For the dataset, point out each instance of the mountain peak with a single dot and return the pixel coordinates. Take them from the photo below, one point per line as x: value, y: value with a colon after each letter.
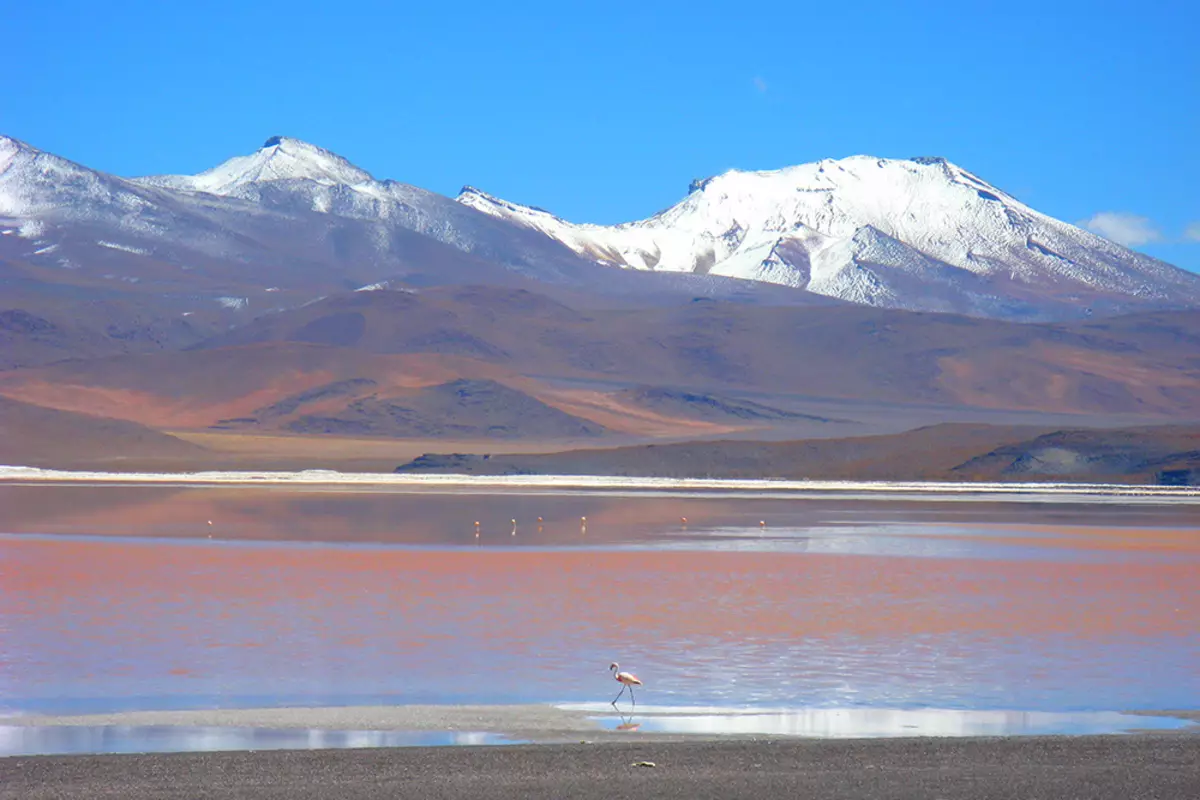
x: 281, y: 158
x: 293, y: 145
x: 918, y: 233
x: 869, y: 229
x: 471, y: 190
x: 482, y: 201
x: 9, y: 148
x: 32, y: 180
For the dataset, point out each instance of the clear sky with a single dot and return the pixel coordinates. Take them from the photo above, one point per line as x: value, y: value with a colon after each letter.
x: 603, y: 112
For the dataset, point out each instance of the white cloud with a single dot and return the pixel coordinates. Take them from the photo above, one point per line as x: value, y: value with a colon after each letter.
x: 1192, y: 232
x: 760, y: 84
x: 1122, y: 227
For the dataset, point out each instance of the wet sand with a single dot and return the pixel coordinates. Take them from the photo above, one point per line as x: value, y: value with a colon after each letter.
x: 544, y: 723
x: 1097, y: 768
x: 531, y: 722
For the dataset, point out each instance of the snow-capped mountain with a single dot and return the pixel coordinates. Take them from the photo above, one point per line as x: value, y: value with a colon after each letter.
x: 292, y: 176
x: 287, y: 174
x: 279, y: 159
x: 921, y: 234
x: 288, y: 215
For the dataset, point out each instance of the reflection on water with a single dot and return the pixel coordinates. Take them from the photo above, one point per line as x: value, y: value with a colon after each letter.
x: 308, y: 598
x: 848, y: 723
x: 80, y: 739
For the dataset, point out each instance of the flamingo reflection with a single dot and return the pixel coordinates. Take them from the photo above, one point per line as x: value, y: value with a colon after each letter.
x: 627, y: 723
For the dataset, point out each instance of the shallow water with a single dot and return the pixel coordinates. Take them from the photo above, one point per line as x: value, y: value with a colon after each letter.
x: 84, y: 739
x: 115, y: 598
x: 851, y: 723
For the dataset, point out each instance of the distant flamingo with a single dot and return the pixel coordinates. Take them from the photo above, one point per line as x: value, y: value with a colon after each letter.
x: 627, y: 681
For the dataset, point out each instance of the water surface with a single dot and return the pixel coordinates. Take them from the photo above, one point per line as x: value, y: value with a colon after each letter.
x: 852, y: 723
x: 87, y: 739
x: 116, y: 598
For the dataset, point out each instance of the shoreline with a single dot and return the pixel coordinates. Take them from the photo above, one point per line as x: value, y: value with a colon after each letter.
x: 568, y: 722
x: 765, y: 488
x: 501, y: 719
x: 1019, y: 768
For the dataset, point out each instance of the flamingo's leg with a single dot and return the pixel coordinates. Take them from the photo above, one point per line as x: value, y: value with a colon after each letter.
x: 618, y: 697
x: 632, y: 699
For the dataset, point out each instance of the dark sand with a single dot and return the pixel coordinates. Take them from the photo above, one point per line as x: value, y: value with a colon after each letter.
x: 1055, y: 768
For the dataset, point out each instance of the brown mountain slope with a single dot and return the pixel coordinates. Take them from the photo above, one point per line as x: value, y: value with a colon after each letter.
x: 1160, y: 454
x: 1135, y: 365
x: 386, y: 364
x: 924, y: 452
x: 1168, y: 454
x: 462, y: 408
x: 316, y: 389
x: 32, y: 435
x: 49, y: 314
x: 201, y: 388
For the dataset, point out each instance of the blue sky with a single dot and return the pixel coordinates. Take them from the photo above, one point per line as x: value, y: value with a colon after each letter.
x: 603, y: 112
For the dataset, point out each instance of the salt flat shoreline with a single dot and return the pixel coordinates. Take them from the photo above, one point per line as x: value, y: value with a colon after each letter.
x: 522, y: 721
x: 535, y: 723
x: 605, y: 484
x: 1020, y: 768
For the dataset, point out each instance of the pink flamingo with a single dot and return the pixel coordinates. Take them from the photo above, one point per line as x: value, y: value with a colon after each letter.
x: 627, y: 681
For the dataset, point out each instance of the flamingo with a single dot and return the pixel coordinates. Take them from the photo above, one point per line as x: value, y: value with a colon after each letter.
x: 627, y: 681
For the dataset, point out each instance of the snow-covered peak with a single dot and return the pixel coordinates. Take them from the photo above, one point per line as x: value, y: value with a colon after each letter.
x: 8, y: 151
x: 909, y: 233
x: 921, y: 234
x: 871, y: 185
x: 477, y: 198
x: 34, y: 182
x: 10, y: 202
x: 281, y: 158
